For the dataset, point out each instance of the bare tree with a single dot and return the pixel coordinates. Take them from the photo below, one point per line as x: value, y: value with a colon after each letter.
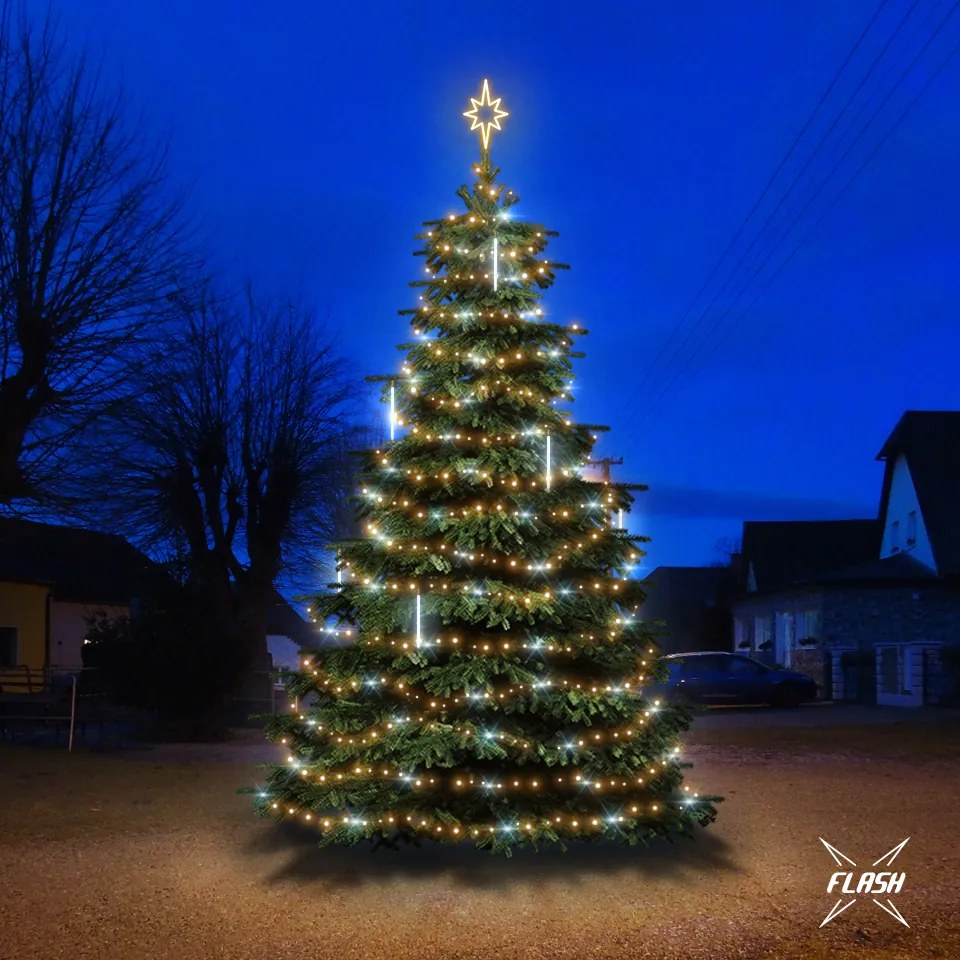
x: 234, y: 455
x: 91, y: 254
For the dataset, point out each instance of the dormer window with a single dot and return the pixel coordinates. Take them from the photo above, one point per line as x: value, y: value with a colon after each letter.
x: 911, y: 528
x: 895, y: 536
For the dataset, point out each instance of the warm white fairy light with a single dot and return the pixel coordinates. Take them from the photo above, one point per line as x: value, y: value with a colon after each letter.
x: 426, y: 507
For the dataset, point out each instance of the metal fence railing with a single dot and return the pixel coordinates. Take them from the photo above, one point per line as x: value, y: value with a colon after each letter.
x: 54, y: 706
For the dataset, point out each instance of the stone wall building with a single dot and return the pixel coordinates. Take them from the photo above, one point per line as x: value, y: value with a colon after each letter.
x: 867, y: 607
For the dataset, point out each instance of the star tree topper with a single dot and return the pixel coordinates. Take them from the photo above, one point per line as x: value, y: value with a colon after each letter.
x: 486, y: 121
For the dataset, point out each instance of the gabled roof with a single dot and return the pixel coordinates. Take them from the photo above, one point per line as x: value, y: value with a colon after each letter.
x: 930, y: 442
x: 84, y: 566
x: 284, y: 621
x: 897, y: 568
x: 785, y: 552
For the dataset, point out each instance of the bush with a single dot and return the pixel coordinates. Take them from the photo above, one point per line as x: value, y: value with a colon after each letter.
x: 169, y: 659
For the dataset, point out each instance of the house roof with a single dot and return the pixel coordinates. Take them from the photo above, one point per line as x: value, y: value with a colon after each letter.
x: 684, y: 585
x: 681, y: 596
x: 284, y: 621
x: 84, y: 566
x: 897, y: 568
x: 930, y: 442
x: 784, y: 552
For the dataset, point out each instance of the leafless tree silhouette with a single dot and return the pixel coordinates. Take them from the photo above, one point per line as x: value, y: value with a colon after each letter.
x: 92, y: 254
x: 233, y: 455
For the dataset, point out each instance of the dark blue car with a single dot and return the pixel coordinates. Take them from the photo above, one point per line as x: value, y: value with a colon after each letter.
x: 715, y: 678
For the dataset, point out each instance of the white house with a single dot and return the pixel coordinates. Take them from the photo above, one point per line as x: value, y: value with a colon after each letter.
x: 867, y: 606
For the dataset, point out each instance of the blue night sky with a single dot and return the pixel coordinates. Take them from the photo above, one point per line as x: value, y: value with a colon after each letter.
x: 315, y: 137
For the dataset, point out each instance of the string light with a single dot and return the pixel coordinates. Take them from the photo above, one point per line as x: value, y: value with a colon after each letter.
x: 520, y: 829
x: 529, y: 576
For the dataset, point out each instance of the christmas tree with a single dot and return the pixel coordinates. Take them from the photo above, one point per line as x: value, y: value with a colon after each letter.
x: 492, y: 688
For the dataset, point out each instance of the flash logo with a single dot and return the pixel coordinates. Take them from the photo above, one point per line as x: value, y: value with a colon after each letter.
x: 882, y: 882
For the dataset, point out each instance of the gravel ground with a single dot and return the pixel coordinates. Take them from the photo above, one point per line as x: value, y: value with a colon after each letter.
x: 151, y: 854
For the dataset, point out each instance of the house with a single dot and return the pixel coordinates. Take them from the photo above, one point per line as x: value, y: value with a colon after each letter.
x: 287, y: 634
x: 866, y: 607
x: 53, y: 579
x: 693, y: 603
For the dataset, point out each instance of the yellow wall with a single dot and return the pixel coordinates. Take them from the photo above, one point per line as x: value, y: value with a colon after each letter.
x: 24, y: 606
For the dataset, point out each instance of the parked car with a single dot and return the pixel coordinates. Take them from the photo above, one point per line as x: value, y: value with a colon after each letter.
x: 713, y: 677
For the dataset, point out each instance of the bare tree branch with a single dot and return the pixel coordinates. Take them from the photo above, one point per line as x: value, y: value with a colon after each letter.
x: 234, y: 452
x: 92, y: 255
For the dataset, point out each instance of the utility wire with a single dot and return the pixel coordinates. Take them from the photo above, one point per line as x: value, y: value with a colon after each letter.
x: 678, y: 352
x: 876, y: 149
x: 652, y: 367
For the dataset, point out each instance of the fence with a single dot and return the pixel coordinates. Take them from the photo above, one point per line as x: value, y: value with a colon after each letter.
x: 941, y: 677
x: 54, y: 706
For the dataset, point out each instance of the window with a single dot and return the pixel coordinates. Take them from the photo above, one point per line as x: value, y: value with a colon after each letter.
x: 745, y: 667
x: 9, y: 654
x: 808, y: 627
x: 895, y: 536
x: 708, y: 663
x: 911, y: 528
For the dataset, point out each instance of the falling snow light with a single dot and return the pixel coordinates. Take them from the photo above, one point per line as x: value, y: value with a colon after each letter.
x: 393, y: 410
x: 496, y: 258
x: 549, y: 474
x: 620, y: 519
x: 419, y: 635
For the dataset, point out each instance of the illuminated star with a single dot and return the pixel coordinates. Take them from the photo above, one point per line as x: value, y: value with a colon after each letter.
x: 495, y: 115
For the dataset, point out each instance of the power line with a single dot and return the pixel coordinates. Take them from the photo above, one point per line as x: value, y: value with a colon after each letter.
x: 876, y: 149
x: 762, y: 196
x: 678, y: 352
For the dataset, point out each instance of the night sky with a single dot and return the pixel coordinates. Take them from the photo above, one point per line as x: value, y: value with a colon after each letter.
x: 315, y: 137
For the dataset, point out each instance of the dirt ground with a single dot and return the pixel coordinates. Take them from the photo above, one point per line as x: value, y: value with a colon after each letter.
x: 152, y: 854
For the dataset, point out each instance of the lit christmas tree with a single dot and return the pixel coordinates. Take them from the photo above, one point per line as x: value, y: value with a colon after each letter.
x: 492, y: 691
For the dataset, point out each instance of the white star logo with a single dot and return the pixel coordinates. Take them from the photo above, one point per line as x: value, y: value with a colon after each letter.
x: 884, y: 881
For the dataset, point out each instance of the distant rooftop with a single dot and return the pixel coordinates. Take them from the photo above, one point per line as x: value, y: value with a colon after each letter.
x: 897, y: 568
x: 79, y: 565
x: 784, y: 552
